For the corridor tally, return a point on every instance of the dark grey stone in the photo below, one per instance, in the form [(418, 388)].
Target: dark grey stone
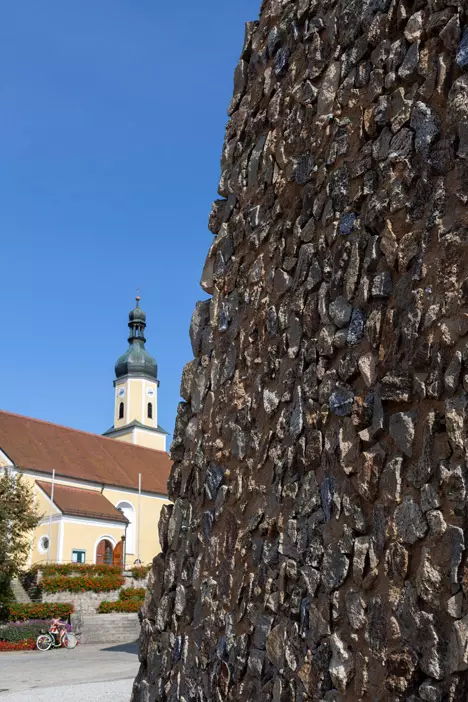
[(410, 522), (401, 146), (397, 388), (339, 188), (356, 327), (340, 311), (456, 539), (346, 224), (200, 319), (304, 169), (382, 285), (256, 661), (213, 480), (297, 415), (429, 498), (410, 62), (282, 61), (462, 51), (262, 629), (429, 691), (272, 321), (255, 160), (275, 39), (326, 493), (402, 430), (426, 125), (451, 33), (335, 567), (208, 519), (341, 402)]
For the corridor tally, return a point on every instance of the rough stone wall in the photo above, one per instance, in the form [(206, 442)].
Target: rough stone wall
[(316, 547)]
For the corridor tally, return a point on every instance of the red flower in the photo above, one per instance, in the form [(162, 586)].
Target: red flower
[(78, 583), (25, 645), (39, 610)]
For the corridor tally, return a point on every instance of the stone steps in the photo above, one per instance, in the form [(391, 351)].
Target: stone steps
[(19, 593), (106, 628)]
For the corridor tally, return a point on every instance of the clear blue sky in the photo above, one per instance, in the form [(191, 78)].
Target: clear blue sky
[(112, 117)]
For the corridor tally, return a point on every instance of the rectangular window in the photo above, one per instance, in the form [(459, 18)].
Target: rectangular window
[(78, 556)]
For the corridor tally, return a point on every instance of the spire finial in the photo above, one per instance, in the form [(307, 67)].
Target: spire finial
[(138, 298)]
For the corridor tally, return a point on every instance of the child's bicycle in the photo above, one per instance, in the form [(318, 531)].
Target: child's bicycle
[(56, 637)]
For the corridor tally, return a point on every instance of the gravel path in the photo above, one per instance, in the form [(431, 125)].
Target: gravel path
[(86, 674), (110, 691)]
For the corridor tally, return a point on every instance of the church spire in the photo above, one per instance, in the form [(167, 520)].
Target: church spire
[(136, 390), (137, 323), (136, 361)]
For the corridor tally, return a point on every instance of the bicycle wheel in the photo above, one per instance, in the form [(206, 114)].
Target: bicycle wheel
[(43, 642), (69, 640)]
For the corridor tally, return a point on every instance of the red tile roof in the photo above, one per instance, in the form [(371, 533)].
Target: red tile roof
[(82, 503), (36, 445)]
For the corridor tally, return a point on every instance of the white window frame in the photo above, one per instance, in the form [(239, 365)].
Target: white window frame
[(130, 541), (79, 550), (40, 547)]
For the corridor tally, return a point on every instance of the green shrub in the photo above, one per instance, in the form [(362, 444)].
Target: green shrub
[(132, 593), (19, 632), (140, 572), (82, 583), (6, 596), (39, 610)]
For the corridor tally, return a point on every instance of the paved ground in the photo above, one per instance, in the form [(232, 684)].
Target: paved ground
[(86, 674)]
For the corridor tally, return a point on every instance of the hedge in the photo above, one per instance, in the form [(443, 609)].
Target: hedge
[(82, 583), (25, 645), (140, 572), (120, 606), (14, 633), (78, 568), (132, 593), (39, 610)]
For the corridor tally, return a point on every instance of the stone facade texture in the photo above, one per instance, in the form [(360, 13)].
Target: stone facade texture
[(316, 546), (83, 602)]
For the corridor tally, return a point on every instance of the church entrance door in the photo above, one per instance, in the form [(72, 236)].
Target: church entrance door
[(117, 556), (104, 552)]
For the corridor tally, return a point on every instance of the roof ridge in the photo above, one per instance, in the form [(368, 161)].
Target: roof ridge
[(78, 431)]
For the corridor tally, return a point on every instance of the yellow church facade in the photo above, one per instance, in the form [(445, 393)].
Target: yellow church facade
[(100, 497)]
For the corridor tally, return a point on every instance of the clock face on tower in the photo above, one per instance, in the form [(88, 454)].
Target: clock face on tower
[(121, 392), (150, 392)]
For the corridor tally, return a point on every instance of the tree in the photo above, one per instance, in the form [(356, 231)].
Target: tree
[(18, 517)]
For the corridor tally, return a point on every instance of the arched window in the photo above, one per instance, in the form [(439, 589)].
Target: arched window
[(150, 410), (121, 410), (128, 511)]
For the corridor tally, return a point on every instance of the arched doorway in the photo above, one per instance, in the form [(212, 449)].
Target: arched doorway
[(104, 552)]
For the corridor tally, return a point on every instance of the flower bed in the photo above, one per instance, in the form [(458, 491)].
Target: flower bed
[(132, 593), (25, 645), (82, 583), (49, 569), (130, 600), (39, 610), (140, 572), (14, 632), (120, 606)]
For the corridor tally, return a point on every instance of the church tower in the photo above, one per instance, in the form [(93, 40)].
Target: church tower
[(136, 390)]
